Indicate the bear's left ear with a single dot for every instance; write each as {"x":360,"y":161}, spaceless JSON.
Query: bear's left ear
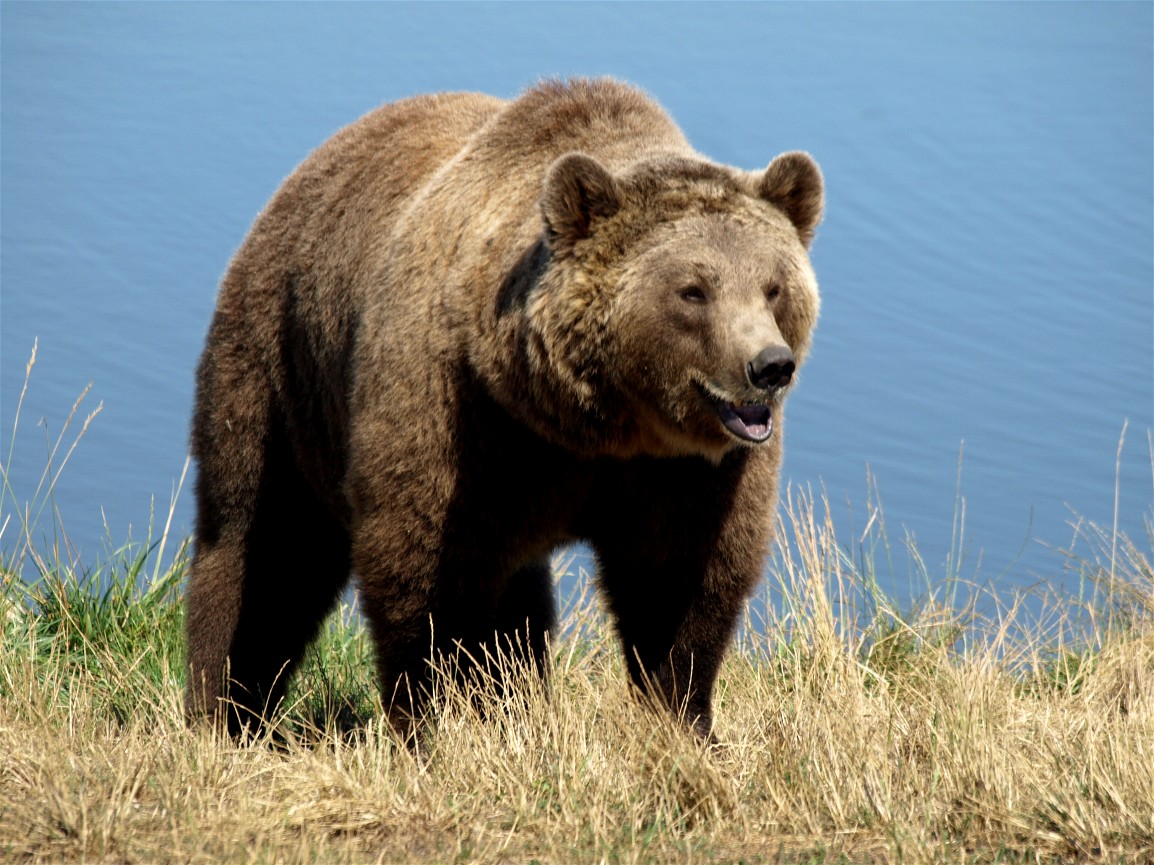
{"x":793,"y":184}
{"x":578,"y":189}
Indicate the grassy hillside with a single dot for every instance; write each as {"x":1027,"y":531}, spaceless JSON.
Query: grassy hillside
{"x":851,"y":732}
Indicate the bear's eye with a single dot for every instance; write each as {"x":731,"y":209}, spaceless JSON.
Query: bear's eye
{"x":693,"y":294}
{"x":772,"y":293}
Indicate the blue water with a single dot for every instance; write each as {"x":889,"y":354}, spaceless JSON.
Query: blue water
{"x":987,"y":261}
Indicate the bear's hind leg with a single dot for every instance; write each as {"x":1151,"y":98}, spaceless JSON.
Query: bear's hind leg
{"x":298,"y":562}
{"x":259,"y":592}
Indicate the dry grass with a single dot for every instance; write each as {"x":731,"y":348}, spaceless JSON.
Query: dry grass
{"x":874,"y":738}
{"x":959,"y":732}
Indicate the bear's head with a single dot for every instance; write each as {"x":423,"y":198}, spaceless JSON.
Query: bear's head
{"x":673,"y":303}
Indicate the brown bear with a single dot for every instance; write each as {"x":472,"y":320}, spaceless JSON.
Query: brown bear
{"x":466,"y":331}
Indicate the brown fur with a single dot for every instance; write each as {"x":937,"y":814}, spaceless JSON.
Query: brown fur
{"x":466,"y":331}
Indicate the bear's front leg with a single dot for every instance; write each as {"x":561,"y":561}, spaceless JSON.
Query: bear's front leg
{"x":675,"y":628}
{"x":679,"y":554}
{"x":460,"y":617}
{"x":397,"y":582}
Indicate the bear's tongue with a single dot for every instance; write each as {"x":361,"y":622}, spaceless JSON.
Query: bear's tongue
{"x":750,"y":422}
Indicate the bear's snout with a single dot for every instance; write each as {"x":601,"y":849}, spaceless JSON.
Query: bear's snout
{"x":772,"y":368}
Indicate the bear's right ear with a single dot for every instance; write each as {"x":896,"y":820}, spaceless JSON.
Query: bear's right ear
{"x":578,"y":189}
{"x":793,"y":184}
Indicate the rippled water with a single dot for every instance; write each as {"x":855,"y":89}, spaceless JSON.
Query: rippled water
{"x":986,"y":260}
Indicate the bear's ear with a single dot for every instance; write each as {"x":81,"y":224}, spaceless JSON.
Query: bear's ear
{"x":578,"y":189}
{"x":793,"y":184}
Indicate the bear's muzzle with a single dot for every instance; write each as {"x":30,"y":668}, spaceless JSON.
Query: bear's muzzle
{"x":772,"y":368}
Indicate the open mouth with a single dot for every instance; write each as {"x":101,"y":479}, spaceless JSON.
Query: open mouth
{"x":751,"y":422}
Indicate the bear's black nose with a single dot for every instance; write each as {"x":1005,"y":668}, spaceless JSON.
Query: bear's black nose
{"x":772,"y":368}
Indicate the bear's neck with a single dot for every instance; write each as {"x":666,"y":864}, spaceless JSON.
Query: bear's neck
{"x":514,"y":354}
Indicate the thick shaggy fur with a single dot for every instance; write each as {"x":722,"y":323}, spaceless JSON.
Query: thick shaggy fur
{"x":466,"y":331}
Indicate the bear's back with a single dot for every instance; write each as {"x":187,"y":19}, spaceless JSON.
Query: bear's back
{"x":350,"y":191}
{"x":496,"y":178}
{"x":614,"y":122}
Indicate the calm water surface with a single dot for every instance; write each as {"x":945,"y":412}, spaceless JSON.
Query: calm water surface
{"x":986,"y":259}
